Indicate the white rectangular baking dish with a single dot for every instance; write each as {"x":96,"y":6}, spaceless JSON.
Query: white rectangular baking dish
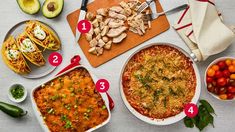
{"x":38,"y":113}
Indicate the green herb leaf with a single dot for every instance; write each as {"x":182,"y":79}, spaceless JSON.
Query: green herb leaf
{"x":63,"y":118}
{"x":143,"y":80}
{"x":17,"y":91}
{"x":68,"y":124}
{"x":207,"y":106}
{"x":165,"y":102}
{"x":172,"y":92}
{"x":156,"y":94}
{"x":201,"y":124}
{"x":103,"y":107}
{"x":203,"y":118}
{"x":50,"y":111}
{"x":211,"y":120}
{"x":188,"y":122}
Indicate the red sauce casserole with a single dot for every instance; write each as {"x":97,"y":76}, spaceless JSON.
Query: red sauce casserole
{"x":158,"y":81}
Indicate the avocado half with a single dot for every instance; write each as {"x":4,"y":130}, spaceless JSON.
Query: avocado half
{"x":52,"y":8}
{"x":29,"y":6}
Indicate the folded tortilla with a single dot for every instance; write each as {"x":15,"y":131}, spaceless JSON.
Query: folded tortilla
{"x":13,"y":57}
{"x":30,"y":50}
{"x":42,"y":35}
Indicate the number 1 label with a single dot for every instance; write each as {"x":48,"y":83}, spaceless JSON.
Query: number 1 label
{"x":84,"y":26}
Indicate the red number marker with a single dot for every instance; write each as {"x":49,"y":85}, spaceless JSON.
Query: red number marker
{"x":84,"y":26}
{"x":55,"y":59}
{"x":191,"y":110}
{"x":102,"y":85}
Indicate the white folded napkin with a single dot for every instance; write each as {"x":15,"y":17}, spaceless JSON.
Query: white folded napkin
{"x":203,"y":30}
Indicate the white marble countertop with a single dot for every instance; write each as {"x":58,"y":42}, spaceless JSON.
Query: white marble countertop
{"x":122,"y":120}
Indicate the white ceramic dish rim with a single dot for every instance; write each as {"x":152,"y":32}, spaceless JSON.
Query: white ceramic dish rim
{"x":38,"y":113}
{"x":170,"y":120}
{"x":212,"y":63}
{"x":17,"y":100}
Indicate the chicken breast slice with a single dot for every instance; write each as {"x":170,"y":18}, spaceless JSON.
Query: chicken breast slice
{"x":120,"y":38}
{"x":114,"y":32}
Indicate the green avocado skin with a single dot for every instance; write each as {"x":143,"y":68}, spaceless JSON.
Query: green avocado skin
{"x":45,"y":12}
{"x":30,"y":13}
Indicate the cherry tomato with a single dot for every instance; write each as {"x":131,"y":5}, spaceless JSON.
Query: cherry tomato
{"x":222,"y":65}
{"x":216,"y":90}
{"x":226,"y":73}
{"x":231,"y":68}
{"x":230,"y":96}
{"x":218,"y":74}
{"x":215,"y":67}
{"x":222,"y":81}
{"x":232,"y":82}
{"x":233,"y":62}
{"x":211,"y":72}
{"x":232,"y":76}
{"x":210,"y":88}
{"x":231,"y":89}
{"x":214,"y":83}
{"x":228,"y":62}
{"x":222,"y":90}
{"x":223,"y":96}
{"x":209,"y":79}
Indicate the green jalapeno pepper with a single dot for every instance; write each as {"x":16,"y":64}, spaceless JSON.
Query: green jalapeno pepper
{"x":12,"y":110}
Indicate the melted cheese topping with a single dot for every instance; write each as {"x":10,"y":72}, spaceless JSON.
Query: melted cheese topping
{"x":27,"y":46}
{"x":159,"y":81}
{"x":39,"y":33}
{"x":71,"y":103}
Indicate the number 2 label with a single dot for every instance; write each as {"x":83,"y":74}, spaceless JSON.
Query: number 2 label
{"x":102,"y":85}
{"x":191,"y":110}
{"x":55,"y":59}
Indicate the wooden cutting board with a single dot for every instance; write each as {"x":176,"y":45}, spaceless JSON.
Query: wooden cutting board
{"x":158,"y":26}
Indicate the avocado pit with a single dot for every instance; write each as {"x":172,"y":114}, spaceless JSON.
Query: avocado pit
{"x":51,"y":6}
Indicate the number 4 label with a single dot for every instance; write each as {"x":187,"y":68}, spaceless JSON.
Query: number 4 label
{"x":102,"y":85}
{"x":191,"y":110}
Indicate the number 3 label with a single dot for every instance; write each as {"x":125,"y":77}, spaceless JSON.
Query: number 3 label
{"x":55,"y":59}
{"x":102,"y":85}
{"x":84,"y":26}
{"x":191,"y":110}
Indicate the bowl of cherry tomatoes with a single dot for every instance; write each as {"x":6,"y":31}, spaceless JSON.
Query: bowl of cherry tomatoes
{"x":220,"y":78}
